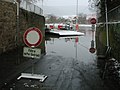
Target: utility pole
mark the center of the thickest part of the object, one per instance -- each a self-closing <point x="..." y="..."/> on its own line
<point x="77" y="26"/>
<point x="77" y="8"/>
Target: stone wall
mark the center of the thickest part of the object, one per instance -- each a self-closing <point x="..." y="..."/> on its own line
<point x="8" y="25"/>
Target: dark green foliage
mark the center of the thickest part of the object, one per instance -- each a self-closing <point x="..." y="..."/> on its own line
<point x="112" y="4"/>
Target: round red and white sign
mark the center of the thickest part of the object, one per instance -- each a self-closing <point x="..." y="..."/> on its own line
<point x="32" y="37"/>
<point x="92" y="50"/>
<point x="93" y="21"/>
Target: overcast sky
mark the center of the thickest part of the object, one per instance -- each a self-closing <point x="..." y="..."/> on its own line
<point x="65" y="7"/>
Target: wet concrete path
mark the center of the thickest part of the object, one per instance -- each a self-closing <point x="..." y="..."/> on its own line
<point x="69" y="66"/>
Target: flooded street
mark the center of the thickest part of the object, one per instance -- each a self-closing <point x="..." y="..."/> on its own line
<point x="68" y="64"/>
<point x="76" y="47"/>
<point x="59" y="45"/>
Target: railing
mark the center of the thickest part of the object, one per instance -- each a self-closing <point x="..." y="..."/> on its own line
<point x="117" y="22"/>
<point x="28" y="6"/>
<point x="31" y="7"/>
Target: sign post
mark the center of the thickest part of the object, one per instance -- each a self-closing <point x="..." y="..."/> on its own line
<point x="32" y="38"/>
<point x="93" y="22"/>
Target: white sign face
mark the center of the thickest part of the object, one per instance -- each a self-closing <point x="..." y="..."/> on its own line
<point x="31" y="52"/>
<point x="32" y="37"/>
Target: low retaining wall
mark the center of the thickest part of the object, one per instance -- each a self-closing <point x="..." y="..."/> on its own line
<point x="8" y="26"/>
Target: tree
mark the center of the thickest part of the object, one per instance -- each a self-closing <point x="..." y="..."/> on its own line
<point x="93" y="4"/>
<point x="99" y="6"/>
<point x="50" y="18"/>
<point x="82" y="18"/>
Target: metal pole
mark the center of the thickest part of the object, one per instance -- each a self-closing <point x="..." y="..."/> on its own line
<point x="77" y="8"/>
<point x="32" y="66"/>
<point x="42" y="8"/>
<point x="76" y="50"/>
<point x="17" y="28"/>
<point x="106" y="23"/>
<point x="77" y="16"/>
<point x="76" y="42"/>
<point x="18" y="23"/>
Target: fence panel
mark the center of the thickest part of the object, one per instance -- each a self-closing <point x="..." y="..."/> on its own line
<point x="31" y="7"/>
<point x="28" y="6"/>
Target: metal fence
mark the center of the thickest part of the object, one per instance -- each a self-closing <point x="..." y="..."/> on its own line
<point x="31" y="7"/>
<point x="113" y="33"/>
<point x="28" y="6"/>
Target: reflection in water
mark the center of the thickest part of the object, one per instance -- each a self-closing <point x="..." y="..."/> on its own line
<point x="76" y="42"/>
<point x="92" y="48"/>
<point x="70" y="46"/>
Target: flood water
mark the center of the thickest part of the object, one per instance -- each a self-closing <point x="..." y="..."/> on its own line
<point x="69" y="65"/>
<point x="76" y="47"/>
